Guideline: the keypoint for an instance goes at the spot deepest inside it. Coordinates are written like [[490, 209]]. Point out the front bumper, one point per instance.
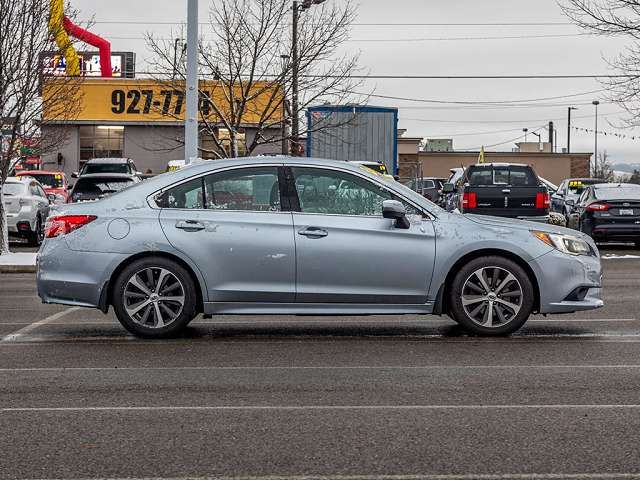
[[560, 276], [72, 277]]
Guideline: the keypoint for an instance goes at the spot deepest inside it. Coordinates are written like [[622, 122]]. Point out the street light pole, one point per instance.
[[525, 130], [295, 127], [295, 63], [285, 140], [569, 127], [191, 118], [595, 148]]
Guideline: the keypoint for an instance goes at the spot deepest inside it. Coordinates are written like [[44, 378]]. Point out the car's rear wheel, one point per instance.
[[491, 296], [34, 239], [154, 298]]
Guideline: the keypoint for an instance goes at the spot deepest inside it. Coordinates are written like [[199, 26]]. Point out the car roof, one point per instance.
[[22, 173], [499, 164], [90, 176], [23, 181], [605, 185], [108, 160]]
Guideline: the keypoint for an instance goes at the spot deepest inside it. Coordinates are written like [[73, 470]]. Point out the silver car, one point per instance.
[[27, 208], [304, 236]]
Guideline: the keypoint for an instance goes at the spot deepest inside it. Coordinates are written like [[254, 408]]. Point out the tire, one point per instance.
[[139, 295], [34, 239], [518, 292]]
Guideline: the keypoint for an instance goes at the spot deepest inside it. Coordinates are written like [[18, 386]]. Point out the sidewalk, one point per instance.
[[23, 262]]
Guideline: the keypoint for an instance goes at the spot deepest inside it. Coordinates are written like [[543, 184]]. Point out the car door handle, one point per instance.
[[190, 225], [313, 232]]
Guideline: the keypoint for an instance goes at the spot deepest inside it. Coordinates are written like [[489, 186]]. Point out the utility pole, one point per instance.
[[285, 140], [295, 63], [569, 127], [595, 148], [191, 119]]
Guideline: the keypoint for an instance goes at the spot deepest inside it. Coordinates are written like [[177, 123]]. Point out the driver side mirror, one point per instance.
[[52, 198], [395, 210], [74, 175], [448, 188]]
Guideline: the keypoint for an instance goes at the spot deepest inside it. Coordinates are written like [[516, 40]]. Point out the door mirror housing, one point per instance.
[[52, 198], [74, 175], [448, 188], [395, 210]]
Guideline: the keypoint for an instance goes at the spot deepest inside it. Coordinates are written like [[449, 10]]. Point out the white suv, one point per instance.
[[27, 207]]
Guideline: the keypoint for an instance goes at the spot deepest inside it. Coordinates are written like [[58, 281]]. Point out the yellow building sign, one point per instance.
[[140, 100]]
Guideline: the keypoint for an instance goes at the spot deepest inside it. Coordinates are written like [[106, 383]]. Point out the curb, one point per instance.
[[17, 269]]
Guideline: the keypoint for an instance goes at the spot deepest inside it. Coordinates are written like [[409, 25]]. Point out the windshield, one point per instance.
[[105, 168], [100, 186], [576, 187], [47, 180], [13, 189]]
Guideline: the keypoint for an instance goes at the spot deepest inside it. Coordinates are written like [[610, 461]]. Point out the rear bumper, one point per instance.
[[20, 223], [560, 275], [71, 277], [612, 231]]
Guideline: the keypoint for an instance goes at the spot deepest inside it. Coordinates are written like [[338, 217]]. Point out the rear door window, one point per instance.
[[508, 175]]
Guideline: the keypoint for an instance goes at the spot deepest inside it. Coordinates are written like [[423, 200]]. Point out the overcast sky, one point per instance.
[[566, 53]]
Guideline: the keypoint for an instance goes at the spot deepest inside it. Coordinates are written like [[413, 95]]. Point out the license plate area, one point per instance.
[[626, 211]]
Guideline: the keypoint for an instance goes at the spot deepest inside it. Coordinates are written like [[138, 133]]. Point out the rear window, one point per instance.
[[106, 168], [516, 176], [101, 186], [13, 189], [618, 192]]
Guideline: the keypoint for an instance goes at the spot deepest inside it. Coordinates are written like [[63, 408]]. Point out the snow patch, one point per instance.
[[19, 259]]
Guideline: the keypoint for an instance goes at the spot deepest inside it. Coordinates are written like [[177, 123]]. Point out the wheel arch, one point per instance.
[[442, 299], [107, 291]]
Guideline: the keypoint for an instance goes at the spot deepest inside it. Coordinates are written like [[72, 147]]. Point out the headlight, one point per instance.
[[565, 243]]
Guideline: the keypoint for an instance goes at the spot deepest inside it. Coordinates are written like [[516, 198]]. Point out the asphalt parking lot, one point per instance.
[[321, 397]]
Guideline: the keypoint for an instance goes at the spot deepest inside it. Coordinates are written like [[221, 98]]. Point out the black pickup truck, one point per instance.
[[504, 190]]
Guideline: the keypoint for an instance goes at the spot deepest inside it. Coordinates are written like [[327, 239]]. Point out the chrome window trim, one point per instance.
[[153, 205]]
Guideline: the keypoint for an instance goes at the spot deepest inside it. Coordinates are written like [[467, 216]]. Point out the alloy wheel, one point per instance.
[[153, 297], [492, 297]]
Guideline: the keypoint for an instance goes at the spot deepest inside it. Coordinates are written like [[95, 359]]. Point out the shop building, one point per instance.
[[135, 118]]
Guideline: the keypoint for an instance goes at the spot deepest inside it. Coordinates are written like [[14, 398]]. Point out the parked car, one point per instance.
[[609, 212], [108, 165], [54, 183], [27, 207], [174, 165], [429, 187], [378, 167], [504, 190], [567, 194], [94, 186], [267, 235]]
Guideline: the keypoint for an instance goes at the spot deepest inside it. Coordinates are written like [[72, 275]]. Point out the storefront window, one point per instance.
[[209, 145], [101, 141]]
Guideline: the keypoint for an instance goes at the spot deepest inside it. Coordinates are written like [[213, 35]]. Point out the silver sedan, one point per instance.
[[304, 236]]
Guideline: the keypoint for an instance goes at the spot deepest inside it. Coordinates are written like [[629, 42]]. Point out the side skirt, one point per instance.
[[228, 308]]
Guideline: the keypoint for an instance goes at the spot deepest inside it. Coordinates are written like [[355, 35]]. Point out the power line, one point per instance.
[[359, 24], [522, 121], [502, 143]]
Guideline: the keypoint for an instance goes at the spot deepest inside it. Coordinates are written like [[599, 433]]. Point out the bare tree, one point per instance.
[[615, 18], [247, 51], [603, 169], [24, 34]]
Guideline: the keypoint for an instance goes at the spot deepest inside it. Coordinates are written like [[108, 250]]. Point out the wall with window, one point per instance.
[[98, 141]]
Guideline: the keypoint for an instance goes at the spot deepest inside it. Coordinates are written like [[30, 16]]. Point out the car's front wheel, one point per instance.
[[491, 296], [154, 298]]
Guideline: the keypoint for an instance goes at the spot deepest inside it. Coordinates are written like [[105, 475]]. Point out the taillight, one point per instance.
[[542, 200], [597, 207], [469, 200], [64, 224]]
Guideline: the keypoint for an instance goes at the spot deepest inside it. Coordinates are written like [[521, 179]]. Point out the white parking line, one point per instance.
[[12, 337], [224, 408], [324, 367]]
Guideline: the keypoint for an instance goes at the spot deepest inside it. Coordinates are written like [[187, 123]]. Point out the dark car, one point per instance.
[[568, 193], [609, 212], [107, 165], [504, 190], [429, 187], [96, 186]]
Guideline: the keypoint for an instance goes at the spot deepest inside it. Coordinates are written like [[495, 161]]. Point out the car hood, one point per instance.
[[502, 222]]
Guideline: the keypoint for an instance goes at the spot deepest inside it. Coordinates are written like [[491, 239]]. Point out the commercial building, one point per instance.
[[555, 167], [141, 119]]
